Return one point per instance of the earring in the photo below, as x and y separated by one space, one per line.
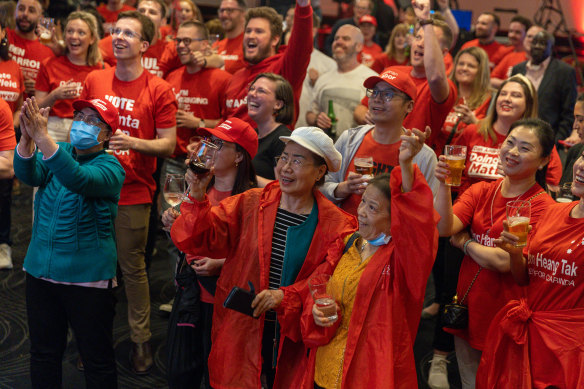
236 164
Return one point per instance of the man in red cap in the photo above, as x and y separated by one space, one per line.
391 98
368 27
436 92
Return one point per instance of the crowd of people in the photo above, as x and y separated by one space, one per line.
300 163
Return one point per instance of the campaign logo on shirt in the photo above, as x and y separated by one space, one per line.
483 163
185 101
30 67
124 104
562 272
235 103
78 85
6 81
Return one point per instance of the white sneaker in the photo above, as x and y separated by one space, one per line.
5 256
438 375
166 307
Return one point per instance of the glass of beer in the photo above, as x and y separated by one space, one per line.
46 27
364 166
323 296
455 158
565 194
518 215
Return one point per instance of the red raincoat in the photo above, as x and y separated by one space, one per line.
240 229
379 351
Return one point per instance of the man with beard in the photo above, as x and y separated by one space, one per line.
25 47
555 82
360 9
261 38
343 85
232 17
486 29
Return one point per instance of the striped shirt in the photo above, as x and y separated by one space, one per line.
284 220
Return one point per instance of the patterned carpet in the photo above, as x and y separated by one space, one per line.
14 358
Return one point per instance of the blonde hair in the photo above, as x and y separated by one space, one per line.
198 16
485 126
93 53
400 28
481 85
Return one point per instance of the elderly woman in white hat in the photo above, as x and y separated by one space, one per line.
274 238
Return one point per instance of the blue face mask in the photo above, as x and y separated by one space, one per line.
84 136
380 240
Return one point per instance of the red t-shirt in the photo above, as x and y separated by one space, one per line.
11 83
495 50
231 50
291 63
167 31
451 120
482 159
503 69
150 59
491 290
169 60
368 54
27 53
145 104
111 17
385 158
202 94
7 138
382 61
57 71
426 111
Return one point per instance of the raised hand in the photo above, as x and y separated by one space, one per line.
412 142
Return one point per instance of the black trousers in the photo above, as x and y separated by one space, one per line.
5 204
90 312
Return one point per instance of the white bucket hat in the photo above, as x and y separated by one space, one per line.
315 140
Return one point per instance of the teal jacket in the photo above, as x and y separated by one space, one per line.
74 211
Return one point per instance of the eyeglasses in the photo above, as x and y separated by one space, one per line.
128 34
386 95
187 41
228 11
259 90
89 119
296 163
217 142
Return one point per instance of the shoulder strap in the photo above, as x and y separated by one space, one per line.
350 242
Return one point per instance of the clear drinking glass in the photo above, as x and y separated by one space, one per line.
323 296
455 158
518 215
202 159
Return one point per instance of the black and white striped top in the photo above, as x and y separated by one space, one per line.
284 220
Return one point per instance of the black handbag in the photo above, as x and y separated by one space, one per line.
455 314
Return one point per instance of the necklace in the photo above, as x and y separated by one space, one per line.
493 201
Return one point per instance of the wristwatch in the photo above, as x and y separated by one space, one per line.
201 123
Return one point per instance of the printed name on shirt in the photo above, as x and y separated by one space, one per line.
483 239
483 162
183 98
229 57
6 81
17 54
235 103
123 103
78 85
151 64
9 96
564 267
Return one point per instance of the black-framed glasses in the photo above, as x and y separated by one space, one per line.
386 95
228 11
187 41
128 34
294 162
92 120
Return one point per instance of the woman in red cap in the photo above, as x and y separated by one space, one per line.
274 238
71 260
233 173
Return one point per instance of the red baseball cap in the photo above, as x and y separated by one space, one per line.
236 131
368 19
397 78
106 110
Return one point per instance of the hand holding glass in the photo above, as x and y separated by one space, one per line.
46 27
518 215
364 166
322 296
174 189
455 158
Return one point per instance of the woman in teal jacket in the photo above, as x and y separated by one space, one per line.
71 259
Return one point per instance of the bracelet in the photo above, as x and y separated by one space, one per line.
465 245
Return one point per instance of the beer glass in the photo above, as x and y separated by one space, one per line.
364 166
322 296
565 194
455 158
518 215
46 27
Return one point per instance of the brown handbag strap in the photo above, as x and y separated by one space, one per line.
470 286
